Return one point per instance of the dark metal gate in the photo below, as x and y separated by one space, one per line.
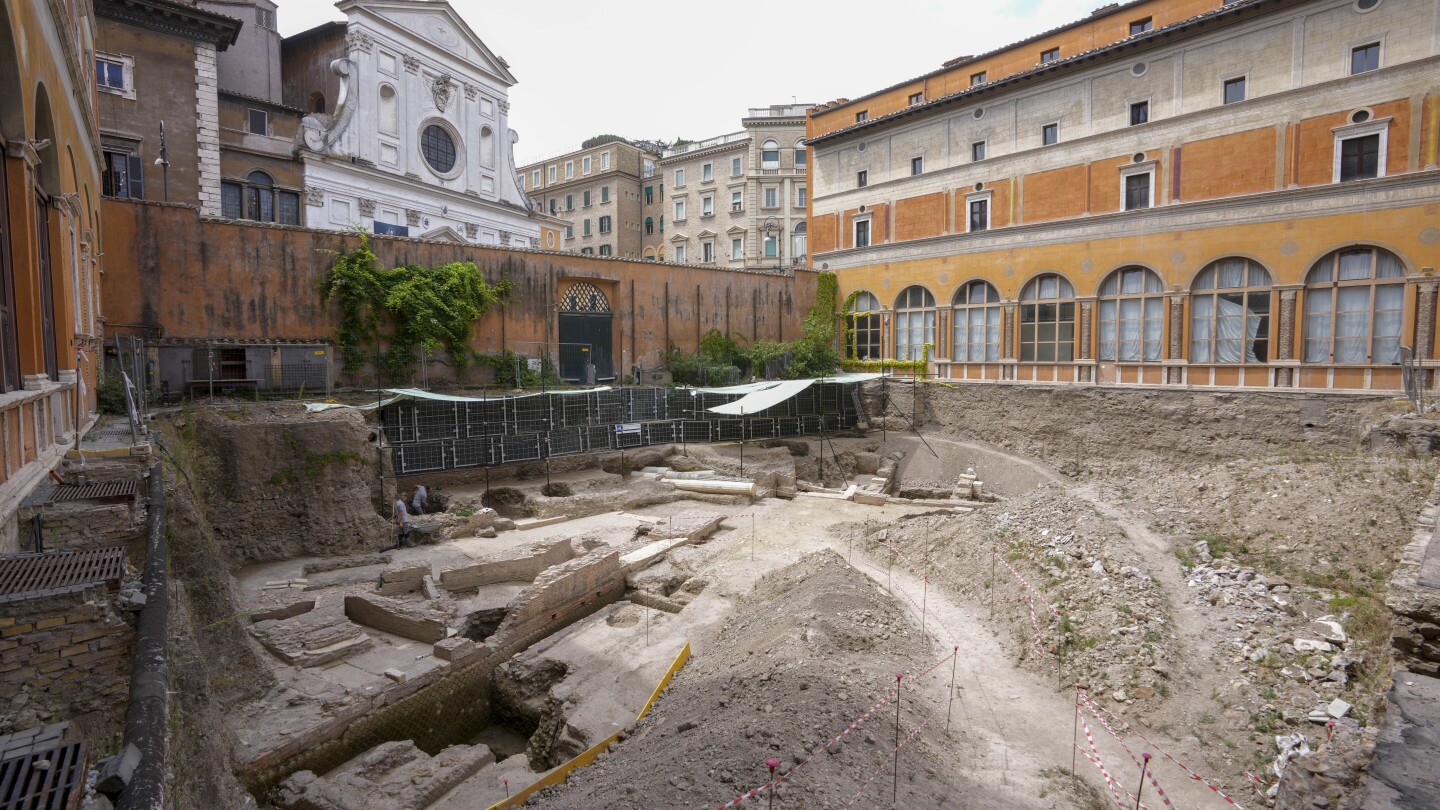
585 336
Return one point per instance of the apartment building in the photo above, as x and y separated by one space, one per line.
599 193
1169 192
739 200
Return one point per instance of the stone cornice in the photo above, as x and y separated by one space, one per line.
167 17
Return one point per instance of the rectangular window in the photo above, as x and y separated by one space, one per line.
585 199
587 251
1360 158
679 254
679 210
288 208
772 197
110 74
977 151
916 98
605 250
917 166
552 205
1137 191
605 224
259 204
735 167
569 169
977 78
1364 58
604 194
802 197
707 172
707 206
979 215
230 204
569 231
605 161
863 115
124 176
707 252
585 227
1139 113
1234 90
1049 134
737 249
570 202
1048 56
259 122
585 165
772 246
265 18
862 178
736 201
679 178
535 179
862 233
552 174
1141 26
649 195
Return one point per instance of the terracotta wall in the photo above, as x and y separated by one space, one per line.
170 271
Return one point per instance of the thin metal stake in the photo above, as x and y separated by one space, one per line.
1075 732
647 625
895 792
1141 789
924 602
752 536
954 659
992 580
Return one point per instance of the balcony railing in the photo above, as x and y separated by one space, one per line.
695 146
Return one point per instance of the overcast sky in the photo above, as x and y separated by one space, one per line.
691 69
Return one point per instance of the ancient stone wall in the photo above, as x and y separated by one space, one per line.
65 653
83 526
563 595
1414 596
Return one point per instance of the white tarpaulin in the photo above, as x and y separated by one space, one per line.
401 394
759 396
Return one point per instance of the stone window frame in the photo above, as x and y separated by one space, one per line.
737 205
679 178
979 197
1374 126
1043 133
855 231
1227 78
984 145
917 165
707 205
569 170
1352 45
585 164
1130 170
127 72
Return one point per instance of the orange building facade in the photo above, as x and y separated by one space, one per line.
50 193
1170 192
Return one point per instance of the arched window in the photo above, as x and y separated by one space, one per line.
1230 313
800 154
977 323
317 102
770 154
1132 315
389 117
584 297
799 245
259 200
864 343
1047 320
914 322
1354 303
649 225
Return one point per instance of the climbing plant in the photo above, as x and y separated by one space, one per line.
409 307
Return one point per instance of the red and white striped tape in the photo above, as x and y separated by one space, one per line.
1181 766
1094 756
902 744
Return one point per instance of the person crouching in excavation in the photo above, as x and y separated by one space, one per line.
420 500
401 518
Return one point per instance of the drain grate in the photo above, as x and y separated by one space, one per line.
27 573
52 779
94 492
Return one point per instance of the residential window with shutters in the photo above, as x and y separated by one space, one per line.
584 199
585 227
976 320
1132 316
865 328
737 249
649 225
605 224
124 175
649 195
604 194
569 231
1047 320
707 206
258 122
736 201
1354 308
115 75
587 251
606 250
1234 90
1230 313
569 202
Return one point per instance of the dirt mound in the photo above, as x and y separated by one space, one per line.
809 650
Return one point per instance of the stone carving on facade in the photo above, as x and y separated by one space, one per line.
367 207
535 242
440 91
1086 309
471 91
471 229
412 217
360 41
320 133
314 196
412 65
505 107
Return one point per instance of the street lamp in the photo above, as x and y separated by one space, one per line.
164 162
772 230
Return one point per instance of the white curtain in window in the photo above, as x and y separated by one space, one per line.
992 334
1154 327
1389 309
1229 326
1352 322
1130 330
1202 328
1317 326
912 331
1107 330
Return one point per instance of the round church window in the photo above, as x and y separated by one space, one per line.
438 148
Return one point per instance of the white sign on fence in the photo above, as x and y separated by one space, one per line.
633 427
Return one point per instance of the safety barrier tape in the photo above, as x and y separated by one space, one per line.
1096 707
926 576
774 783
1094 756
1260 786
1027 584
902 744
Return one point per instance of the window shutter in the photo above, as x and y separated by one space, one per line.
137 185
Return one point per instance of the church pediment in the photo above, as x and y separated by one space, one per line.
438 24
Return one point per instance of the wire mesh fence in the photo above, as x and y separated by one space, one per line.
429 436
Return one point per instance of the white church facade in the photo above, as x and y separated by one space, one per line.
407 128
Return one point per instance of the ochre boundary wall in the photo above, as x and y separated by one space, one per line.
172 272
562 773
